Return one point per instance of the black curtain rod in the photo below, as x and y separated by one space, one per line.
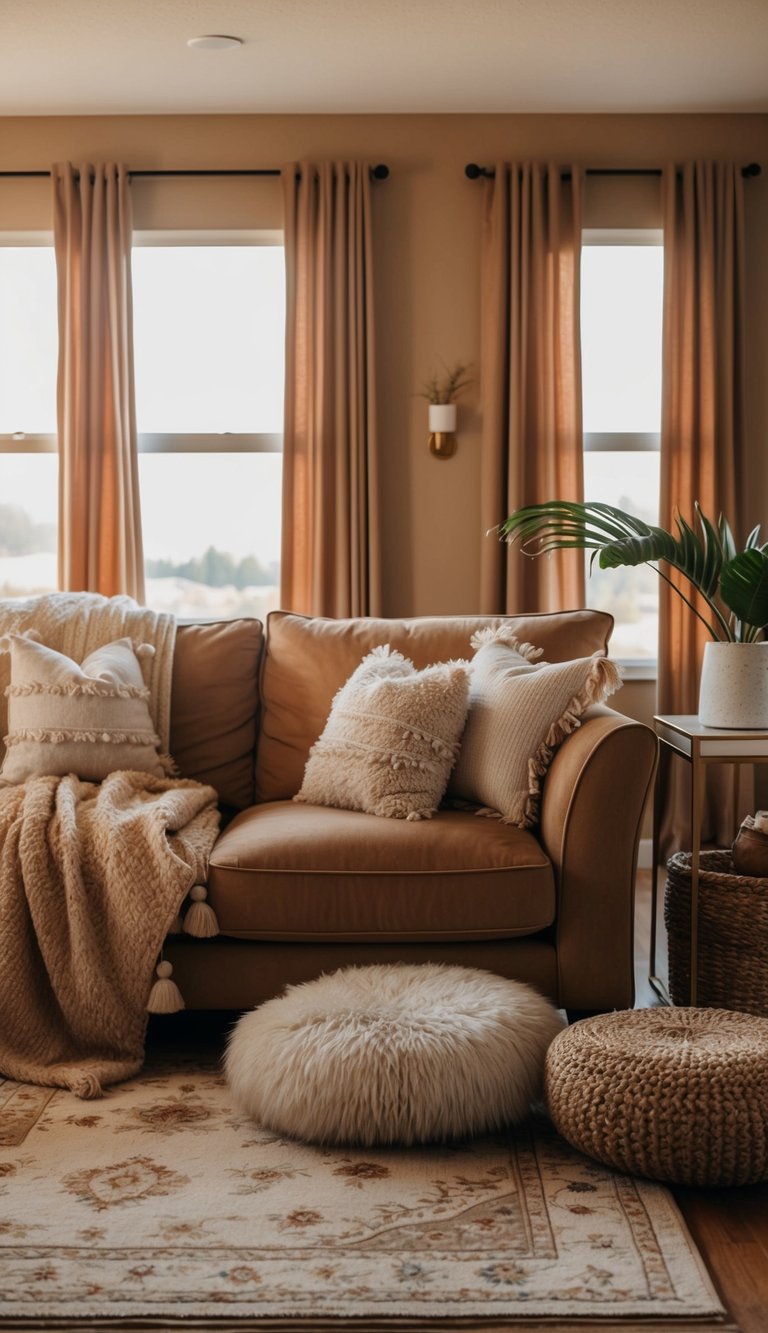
473 171
378 173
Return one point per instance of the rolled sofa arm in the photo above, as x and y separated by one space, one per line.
591 813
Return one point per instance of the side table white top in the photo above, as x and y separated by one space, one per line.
686 733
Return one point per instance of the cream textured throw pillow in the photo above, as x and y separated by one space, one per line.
91 720
519 711
391 738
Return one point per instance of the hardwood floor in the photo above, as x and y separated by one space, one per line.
730 1226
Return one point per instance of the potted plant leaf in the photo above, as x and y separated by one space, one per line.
733 585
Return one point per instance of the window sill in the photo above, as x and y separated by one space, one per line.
634 669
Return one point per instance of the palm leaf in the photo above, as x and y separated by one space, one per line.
622 539
744 589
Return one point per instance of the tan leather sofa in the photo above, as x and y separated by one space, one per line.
302 889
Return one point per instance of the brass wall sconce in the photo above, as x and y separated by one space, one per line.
442 429
440 392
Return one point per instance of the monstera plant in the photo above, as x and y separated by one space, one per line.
733 584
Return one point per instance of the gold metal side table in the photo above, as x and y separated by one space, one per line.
685 736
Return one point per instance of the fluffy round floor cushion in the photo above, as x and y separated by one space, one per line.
392 1054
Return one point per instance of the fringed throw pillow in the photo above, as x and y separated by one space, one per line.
520 709
91 719
391 738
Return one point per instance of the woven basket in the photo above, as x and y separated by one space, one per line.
733 934
673 1094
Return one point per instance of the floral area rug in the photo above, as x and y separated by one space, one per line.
160 1201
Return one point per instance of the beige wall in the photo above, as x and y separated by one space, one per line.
428 246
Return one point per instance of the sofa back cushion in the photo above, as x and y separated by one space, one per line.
307 659
215 706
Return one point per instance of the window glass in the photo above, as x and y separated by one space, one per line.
28 339
209 334
621 299
621 325
28 523
630 481
212 533
208 337
28 357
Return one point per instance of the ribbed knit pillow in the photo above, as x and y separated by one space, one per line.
519 712
90 720
391 738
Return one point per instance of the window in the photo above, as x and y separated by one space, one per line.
621 323
28 460
209 349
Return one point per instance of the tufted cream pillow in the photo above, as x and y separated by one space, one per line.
519 711
90 720
391 738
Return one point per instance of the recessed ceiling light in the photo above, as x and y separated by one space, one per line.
214 42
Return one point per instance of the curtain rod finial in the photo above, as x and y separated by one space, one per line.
380 172
472 171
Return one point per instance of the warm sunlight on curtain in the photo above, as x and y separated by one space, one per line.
100 547
702 444
531 376
330 543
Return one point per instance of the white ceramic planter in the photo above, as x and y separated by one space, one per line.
733 691
442 417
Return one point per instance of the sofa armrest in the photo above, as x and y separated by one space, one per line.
592 807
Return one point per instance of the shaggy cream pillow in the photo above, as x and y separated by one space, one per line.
90 720
519 712
391 738
397 1053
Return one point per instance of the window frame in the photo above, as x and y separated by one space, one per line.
634 668
228 442
19 442
157 443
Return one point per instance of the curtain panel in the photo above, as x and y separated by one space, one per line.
702 434
331 540
531 376
100 544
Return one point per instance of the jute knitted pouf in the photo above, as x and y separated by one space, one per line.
673 1094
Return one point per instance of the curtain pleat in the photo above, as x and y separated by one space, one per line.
702 437
331 539
100 544
531 376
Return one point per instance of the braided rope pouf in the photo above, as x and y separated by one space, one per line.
673 1094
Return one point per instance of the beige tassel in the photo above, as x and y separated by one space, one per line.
165 996
201 918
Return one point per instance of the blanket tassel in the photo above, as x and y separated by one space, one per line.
165 996
200 919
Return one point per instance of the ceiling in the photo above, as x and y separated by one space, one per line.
92 57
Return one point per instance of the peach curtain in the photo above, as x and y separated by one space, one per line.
330 547
701 431
100 546
531 376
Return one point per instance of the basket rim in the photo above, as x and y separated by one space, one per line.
680 864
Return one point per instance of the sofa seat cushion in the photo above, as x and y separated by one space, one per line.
283 871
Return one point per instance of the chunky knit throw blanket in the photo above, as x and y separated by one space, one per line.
76 623
91 877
